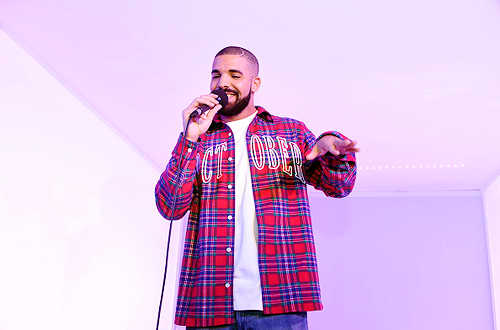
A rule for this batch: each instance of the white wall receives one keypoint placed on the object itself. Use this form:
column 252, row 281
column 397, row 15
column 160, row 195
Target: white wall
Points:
column 81, row 243
column 402, row 261
column 491, row 197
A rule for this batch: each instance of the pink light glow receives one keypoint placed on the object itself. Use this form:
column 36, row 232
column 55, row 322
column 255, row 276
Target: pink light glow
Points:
column 90, row 112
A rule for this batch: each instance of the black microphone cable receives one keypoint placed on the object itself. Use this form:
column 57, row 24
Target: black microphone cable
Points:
column 223, row 101
column 170, row 226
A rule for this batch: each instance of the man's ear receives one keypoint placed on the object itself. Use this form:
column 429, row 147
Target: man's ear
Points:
column 255, row 84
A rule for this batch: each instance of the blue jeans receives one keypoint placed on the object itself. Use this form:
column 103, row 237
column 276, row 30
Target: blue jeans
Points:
column 256, row 320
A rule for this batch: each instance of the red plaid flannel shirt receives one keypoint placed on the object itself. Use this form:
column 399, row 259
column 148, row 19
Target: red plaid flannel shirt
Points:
column 204, row 173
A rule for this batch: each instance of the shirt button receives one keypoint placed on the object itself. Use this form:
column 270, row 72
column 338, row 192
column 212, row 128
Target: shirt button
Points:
column 229, row 134
column 228, row 285
column 230, row 217
column 228, row 249
column 189, row 149
column 230, row 158
column 229, row 186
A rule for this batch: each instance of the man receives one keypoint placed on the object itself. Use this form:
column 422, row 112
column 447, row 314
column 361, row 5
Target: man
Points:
column 249, row 258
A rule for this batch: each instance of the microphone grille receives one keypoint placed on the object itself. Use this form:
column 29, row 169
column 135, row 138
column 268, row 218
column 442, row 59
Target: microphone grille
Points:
column 222, row 97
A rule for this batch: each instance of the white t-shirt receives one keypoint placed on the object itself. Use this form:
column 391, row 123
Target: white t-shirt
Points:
column 247, row 293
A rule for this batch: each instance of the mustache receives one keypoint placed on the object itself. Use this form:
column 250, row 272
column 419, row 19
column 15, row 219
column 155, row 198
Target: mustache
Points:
column 228, row 90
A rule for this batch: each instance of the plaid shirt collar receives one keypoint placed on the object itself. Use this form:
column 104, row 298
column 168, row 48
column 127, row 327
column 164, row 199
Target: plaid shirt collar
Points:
column 218, row 123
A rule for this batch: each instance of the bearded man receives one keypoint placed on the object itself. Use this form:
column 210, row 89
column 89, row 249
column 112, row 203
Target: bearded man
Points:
column 249, row 257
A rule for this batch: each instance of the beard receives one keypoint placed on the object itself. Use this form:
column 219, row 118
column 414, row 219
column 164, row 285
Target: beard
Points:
column 237, row 107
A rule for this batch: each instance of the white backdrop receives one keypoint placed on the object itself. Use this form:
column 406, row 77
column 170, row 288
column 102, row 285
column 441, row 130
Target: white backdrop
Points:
column 491, row 200
column 81, row 243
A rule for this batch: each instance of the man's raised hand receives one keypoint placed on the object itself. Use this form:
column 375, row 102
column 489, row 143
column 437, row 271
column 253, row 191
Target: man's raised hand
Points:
column 332, row 144
column 199, row 125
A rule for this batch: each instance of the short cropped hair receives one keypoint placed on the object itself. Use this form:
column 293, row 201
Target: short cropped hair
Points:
column 235, row 50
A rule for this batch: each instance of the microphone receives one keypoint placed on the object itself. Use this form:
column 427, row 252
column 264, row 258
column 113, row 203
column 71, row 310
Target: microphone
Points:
column 221, row 97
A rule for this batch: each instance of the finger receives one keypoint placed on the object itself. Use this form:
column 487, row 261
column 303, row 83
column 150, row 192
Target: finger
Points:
column 352, row 147
column 333, row 148
column 209, row 100
column 343, row 143
column 344, row 146
column 212, row 112
column 313, row 153
column 205, row 101
column 351, row 143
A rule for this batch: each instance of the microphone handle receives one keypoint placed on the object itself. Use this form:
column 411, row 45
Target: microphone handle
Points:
column 199, row 110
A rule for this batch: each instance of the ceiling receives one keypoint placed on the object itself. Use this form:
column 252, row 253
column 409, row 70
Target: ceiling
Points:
column 416, row 83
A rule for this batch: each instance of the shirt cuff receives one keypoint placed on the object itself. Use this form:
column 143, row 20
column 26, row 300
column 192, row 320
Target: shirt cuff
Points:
column 334, row 133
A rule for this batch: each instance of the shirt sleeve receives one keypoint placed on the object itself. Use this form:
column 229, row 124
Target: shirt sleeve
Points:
column 174, row 190
column 334, row 175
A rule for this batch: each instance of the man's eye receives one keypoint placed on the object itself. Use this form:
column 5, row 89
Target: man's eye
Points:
column 235, row 76
column 215, row 77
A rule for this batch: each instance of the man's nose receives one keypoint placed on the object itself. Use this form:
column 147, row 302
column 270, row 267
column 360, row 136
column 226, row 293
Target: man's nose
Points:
column 223, row 82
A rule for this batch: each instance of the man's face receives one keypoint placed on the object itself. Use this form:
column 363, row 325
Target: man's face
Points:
column 235, row 76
